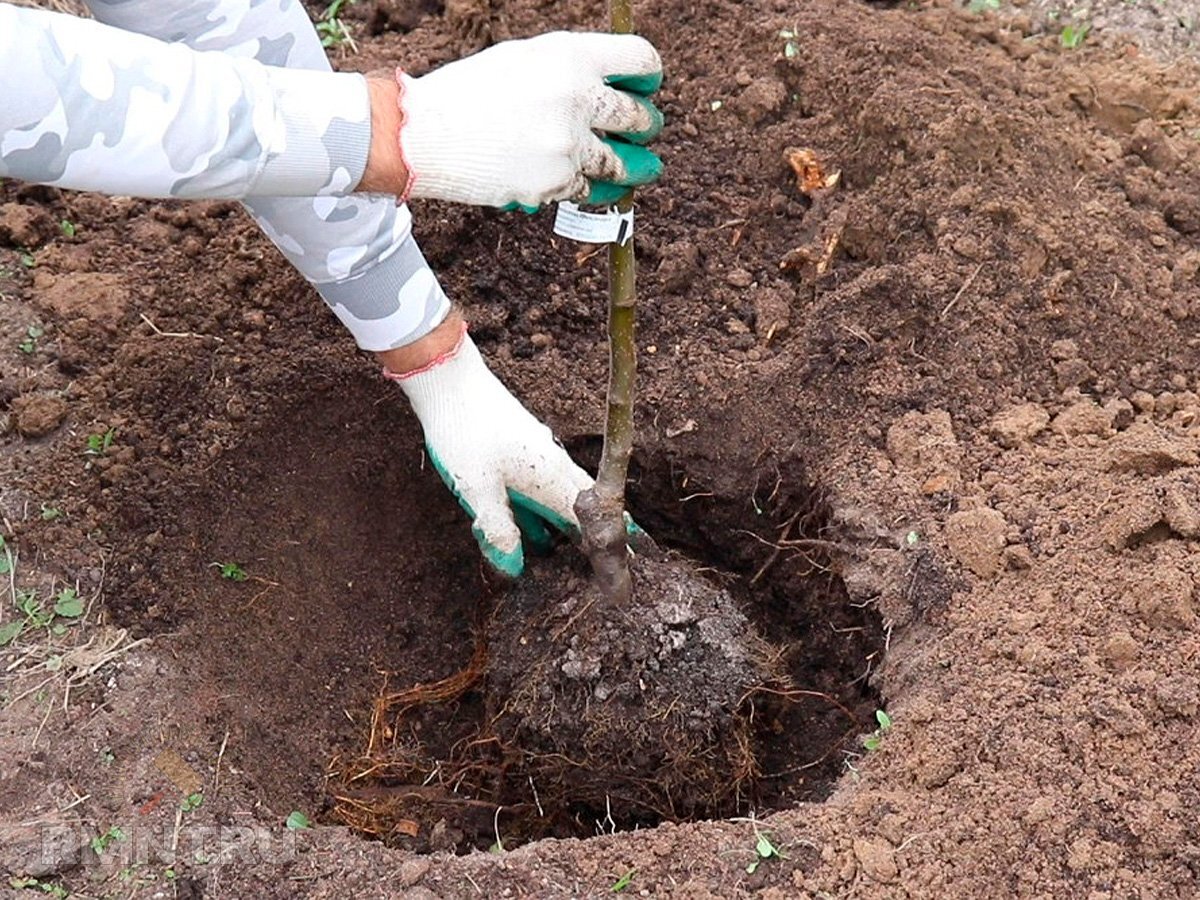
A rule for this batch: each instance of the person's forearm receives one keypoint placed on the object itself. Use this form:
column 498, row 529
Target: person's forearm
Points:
column 91, row 107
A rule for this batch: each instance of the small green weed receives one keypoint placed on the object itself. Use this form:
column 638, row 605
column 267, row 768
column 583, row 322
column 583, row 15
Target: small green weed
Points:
column 29, row 343
column 67, row 227
column 230, row 571
column 192, row 802
column 875, row 739
column 332, row 30
column 763, row 850
column 297, row 821
column 33, row 615
column 1073, row 36
column 98, row 444
column 101, row 842
column 67, row 604
column 54, row 890
column 978, row 6
column 27, row 259
column 623, row 882
column 51, row 513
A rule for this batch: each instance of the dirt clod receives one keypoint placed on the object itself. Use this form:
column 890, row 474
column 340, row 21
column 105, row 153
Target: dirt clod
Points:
column 24, row 226
column 976, row 538
column 37, row 415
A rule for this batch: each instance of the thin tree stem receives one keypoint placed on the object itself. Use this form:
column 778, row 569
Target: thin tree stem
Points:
column 601, row 510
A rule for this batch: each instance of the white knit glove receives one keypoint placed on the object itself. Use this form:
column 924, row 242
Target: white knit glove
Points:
column 502, row 464
column 515, row 125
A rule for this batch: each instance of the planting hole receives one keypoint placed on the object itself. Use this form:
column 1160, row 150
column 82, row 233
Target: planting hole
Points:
column 362, row 582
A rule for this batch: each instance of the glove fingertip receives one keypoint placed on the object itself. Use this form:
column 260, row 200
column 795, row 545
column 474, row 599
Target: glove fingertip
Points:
column 605, row 193
column 510, row 563
column 641, row 165
column 644, row 84
column 533, row 528
column 525, row 506
column 650, row 132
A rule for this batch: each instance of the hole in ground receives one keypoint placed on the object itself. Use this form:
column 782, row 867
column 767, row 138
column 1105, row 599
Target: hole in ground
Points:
column 362, row 575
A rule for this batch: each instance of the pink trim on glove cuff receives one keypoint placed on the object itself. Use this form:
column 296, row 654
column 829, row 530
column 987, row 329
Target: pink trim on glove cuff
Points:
column 433, row 363
column 412, row 176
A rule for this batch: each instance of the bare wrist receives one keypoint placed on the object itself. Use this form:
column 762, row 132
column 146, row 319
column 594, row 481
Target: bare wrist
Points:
column 419, row 354
column 385, row 172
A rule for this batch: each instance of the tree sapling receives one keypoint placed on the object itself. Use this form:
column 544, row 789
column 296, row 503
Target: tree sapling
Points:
column 601, row 509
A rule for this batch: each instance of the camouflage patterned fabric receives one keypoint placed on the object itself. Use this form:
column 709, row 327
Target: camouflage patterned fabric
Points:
column 126, row 105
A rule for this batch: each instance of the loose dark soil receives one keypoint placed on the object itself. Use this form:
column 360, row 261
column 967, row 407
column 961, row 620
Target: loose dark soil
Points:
column 933, row 435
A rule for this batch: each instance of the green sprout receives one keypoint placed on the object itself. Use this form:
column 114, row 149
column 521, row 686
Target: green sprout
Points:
column 67, row 604
column 32, row 614
column 623, row 882
column 332, row 30
column 29, row 344
column 98, row 444
column 67, row 227
column 875, row 739
column 763, row 850
column 297, row 821
column 978, row 6
column 192, row 801
column 101, row 841
column 46, row 887
column 1073, row 36
column 230, row 571
column 790, row 48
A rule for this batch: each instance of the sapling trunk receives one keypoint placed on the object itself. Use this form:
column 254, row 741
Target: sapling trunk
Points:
column 601, row 509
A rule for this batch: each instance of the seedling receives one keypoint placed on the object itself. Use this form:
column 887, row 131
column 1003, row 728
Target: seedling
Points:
column 98, row 444
column 29, row 344
column 1073, row 36
column 978, row 6
column 601, row 508
column 101, row 841
column 297, row 821
column 54, row 890
column 623, row 882
column 875, row 739
column 51, row 513
column 67, row 604
column 27, row 259
column 763, row 850
column 67, row 227
column 230, row 571
column 33, row 615
column 192, row 802
column 333, row 31
column 790, row 49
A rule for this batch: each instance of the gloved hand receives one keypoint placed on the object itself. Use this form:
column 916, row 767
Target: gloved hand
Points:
column 502, row 464
column 513, row 126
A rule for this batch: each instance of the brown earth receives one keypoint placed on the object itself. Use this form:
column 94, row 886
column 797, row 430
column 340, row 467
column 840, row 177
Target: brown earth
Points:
column 947, row 456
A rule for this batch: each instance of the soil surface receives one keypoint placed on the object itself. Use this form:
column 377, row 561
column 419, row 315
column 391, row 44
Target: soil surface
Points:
column 932, row 424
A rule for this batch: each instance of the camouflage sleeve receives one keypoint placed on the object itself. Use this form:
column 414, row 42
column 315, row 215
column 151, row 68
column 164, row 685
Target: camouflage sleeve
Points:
column 91, row 107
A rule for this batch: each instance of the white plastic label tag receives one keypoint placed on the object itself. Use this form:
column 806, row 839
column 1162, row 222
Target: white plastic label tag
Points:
column 608, row 227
